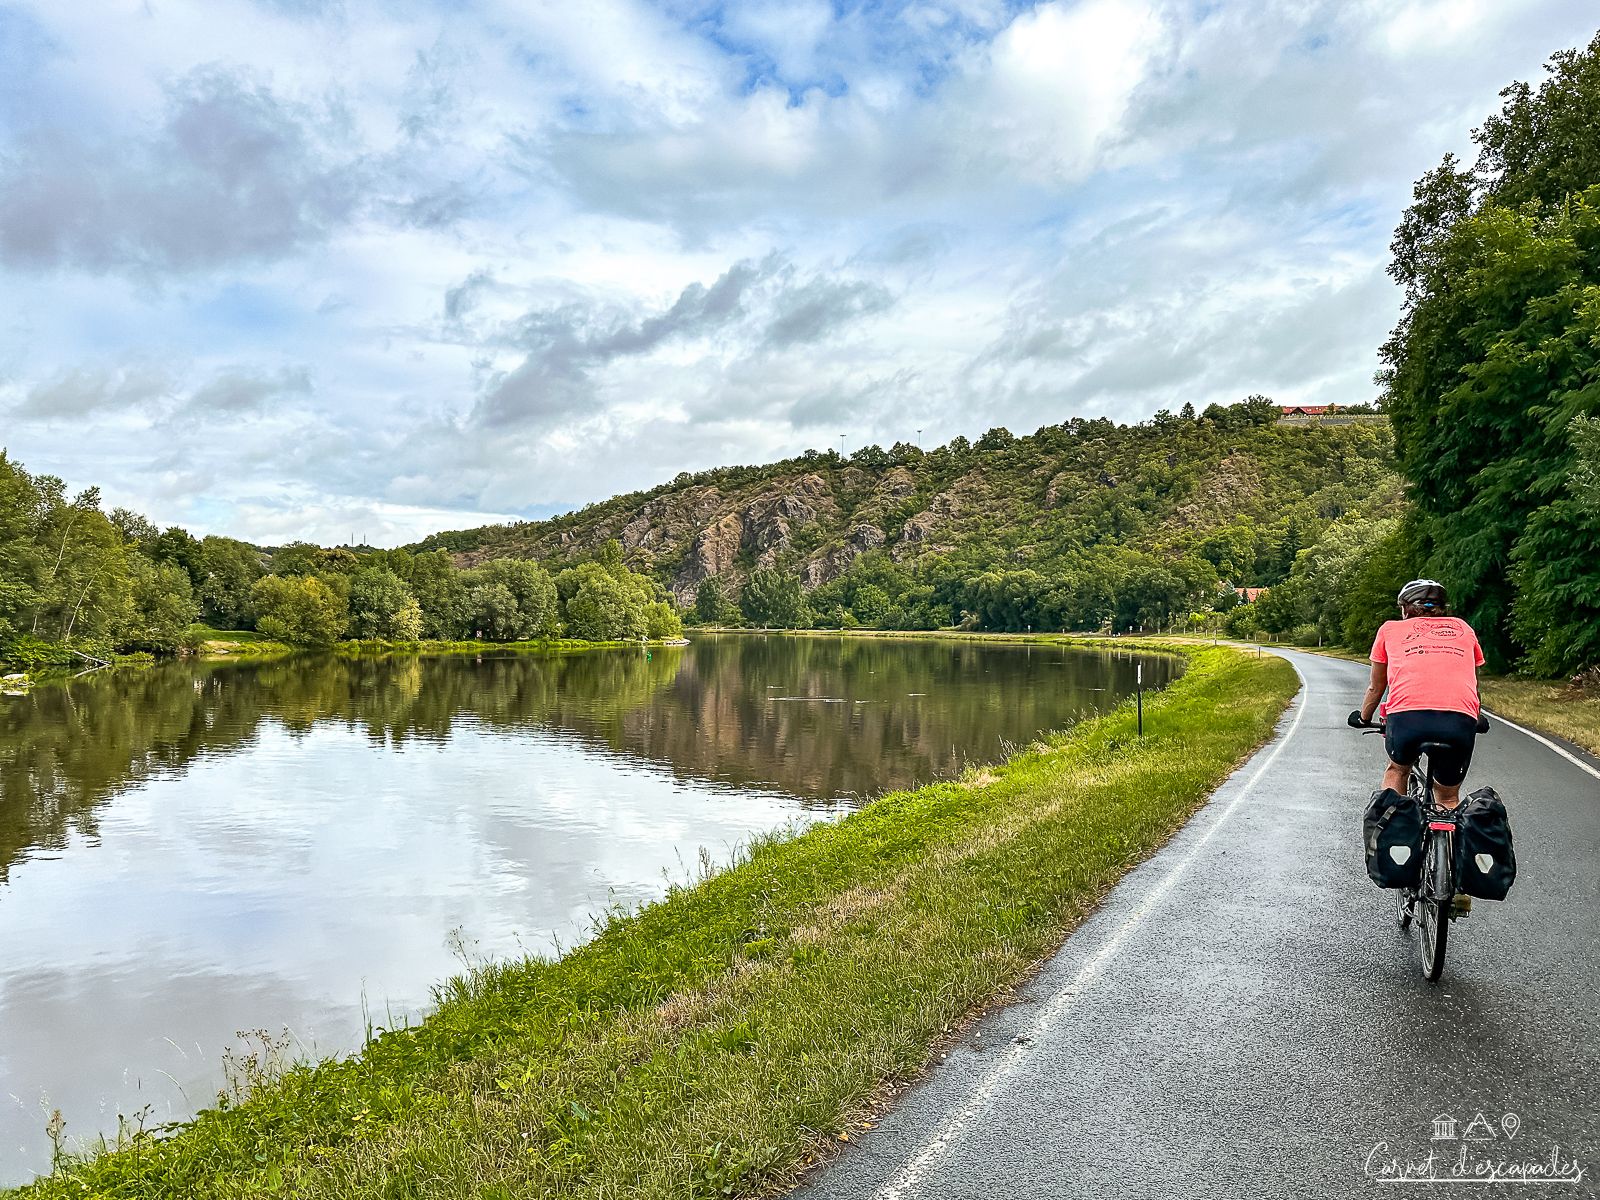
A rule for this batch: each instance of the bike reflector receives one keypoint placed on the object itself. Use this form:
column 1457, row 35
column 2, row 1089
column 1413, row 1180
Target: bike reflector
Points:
column 1441, row 825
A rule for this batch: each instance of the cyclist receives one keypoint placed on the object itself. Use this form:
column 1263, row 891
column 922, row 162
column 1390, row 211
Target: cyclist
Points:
column 1428, row 662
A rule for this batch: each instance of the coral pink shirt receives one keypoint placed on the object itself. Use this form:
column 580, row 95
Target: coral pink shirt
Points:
column 1433, row 663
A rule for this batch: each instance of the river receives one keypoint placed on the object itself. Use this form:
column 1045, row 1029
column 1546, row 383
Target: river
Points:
column 196, row 850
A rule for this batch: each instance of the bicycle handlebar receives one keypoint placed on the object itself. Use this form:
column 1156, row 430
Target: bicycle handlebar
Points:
column 1355, row 722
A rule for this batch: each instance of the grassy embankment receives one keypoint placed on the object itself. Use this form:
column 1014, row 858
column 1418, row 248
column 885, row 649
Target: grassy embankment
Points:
column 715, row 1042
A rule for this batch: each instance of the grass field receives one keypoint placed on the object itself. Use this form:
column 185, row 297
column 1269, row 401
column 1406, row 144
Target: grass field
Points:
column 1550, row 706
column 715, row 1042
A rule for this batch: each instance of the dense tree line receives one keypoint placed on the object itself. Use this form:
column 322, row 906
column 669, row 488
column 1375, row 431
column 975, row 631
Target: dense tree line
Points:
column 1492, row 376
column 74, row 578
column 71, row 574
column 315, row 596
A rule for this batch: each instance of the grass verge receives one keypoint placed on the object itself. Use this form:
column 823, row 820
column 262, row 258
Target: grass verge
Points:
column 1550, row 706
column 713, row 1043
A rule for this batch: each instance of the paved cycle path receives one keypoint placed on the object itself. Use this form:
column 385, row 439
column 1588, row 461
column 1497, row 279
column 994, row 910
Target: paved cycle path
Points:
column 1243, row 1018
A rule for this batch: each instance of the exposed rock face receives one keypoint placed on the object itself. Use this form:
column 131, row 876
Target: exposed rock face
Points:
column 867, row 537
column 763, row 528
column 648, row 527
column 1233, row 484
column 824, row 568
column 946, row 507
column 714, row 552
column 897, row 484
column 828, row 565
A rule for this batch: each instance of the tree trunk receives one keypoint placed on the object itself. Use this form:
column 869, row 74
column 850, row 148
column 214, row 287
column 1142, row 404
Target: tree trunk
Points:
column 67, row 637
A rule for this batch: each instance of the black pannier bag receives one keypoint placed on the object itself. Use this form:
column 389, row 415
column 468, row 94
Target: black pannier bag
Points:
column 1393, row 834
column 1485, row 864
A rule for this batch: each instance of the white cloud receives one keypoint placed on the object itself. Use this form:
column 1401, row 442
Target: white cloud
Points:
column 445, row 265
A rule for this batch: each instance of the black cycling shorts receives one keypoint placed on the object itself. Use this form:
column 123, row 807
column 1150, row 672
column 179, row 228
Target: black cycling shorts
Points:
column 1406, row 731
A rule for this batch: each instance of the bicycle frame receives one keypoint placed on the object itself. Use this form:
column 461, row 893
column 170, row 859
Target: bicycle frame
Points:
column 1433, row 899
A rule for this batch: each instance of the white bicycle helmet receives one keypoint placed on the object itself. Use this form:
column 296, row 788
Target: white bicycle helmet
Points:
column 1424, row 593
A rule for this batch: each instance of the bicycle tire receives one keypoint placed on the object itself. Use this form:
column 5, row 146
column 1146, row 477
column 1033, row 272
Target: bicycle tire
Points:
column 1434, row 927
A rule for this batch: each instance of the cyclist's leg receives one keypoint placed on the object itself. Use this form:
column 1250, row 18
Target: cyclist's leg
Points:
column 1396, row 775
column 1400, row 742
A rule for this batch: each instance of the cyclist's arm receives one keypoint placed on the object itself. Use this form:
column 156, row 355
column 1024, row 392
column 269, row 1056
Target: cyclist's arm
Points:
column 1376, row 684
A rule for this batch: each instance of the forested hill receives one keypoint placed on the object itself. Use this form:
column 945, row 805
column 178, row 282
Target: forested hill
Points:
column 1131, row 523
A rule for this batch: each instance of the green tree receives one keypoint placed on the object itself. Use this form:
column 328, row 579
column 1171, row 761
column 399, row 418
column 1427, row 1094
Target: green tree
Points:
column 382, row 606
column 871, row 604
column 179, row 546
column 230, row 570
column 1370, row 591
column 301, row 610
column 1282, row 607
column 711, row 604
column 163, row 606
column 605, row 608
column 21, row 564
column 492, row 611
column 1584, row 483
column 773, row 599
column 1494, row 360
column 441, row 592
column 535, row 592
column 662, row 621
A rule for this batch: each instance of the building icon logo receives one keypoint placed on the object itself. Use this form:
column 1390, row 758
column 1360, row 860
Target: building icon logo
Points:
column 1476, row 1151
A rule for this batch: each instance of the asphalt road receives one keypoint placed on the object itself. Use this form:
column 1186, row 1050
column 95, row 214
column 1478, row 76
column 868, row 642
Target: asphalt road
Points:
column 1243, row 1017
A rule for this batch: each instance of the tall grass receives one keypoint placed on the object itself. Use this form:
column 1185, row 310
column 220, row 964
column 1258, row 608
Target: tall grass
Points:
column 713, row 1043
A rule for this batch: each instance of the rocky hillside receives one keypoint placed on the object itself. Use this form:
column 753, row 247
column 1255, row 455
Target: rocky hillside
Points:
column 1235, row 487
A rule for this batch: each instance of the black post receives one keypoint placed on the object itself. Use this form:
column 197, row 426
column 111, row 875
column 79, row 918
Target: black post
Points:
column 1138, row 694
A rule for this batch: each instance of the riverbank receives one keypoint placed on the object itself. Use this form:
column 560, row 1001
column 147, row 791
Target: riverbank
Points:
column 714, row 1042
column 242, row 643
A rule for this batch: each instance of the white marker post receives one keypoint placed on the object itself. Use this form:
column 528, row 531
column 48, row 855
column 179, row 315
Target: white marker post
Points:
column 1138, row 694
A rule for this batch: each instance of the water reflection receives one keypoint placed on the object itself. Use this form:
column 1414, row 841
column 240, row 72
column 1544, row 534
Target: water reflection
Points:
column 198, row 849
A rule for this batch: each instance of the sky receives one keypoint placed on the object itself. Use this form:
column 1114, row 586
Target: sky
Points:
column 331, row 269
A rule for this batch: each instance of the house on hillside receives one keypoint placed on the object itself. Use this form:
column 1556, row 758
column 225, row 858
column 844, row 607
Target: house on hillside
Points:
column 1247, row 595
column 1308, row 410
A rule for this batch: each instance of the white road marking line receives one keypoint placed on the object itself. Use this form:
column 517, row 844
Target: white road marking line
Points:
column 910, row 1175
column 1544, row 741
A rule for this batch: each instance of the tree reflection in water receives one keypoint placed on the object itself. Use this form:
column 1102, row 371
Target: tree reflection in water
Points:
column 817, row 718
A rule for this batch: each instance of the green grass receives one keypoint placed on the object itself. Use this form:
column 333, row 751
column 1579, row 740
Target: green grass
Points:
column 1553, row 706
column 713, row 1043
column 231, row 636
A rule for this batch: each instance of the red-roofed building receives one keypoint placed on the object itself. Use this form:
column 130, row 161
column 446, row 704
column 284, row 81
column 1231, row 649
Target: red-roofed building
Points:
column 1248, row 594
column 1307, row 410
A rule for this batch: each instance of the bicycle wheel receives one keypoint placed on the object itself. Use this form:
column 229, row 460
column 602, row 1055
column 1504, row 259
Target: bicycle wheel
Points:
column 1434, row 923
